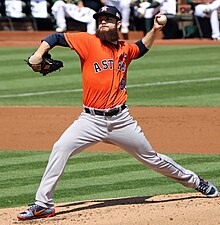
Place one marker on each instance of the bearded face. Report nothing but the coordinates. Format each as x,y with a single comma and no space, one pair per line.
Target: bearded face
107,29
110,35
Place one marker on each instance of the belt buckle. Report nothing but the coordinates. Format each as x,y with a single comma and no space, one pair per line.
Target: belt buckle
91,111
106,111
115,110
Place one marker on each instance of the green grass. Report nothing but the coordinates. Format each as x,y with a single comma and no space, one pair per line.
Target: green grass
166,76
162,64
94,176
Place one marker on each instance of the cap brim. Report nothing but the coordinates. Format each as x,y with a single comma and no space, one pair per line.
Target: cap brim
96,15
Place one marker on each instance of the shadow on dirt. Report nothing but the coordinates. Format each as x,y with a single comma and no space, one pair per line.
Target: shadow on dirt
94,204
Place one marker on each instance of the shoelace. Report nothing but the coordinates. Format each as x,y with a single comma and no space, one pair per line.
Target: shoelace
203,186
32,206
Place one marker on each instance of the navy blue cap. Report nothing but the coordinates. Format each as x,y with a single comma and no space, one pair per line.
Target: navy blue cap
109,10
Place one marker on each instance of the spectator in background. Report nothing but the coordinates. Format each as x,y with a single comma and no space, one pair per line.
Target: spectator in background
168,7
75,10
209,10
14,8
93,4
148,9
171,30
124,7
39,8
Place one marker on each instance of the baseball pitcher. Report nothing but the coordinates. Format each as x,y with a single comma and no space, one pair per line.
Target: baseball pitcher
105,117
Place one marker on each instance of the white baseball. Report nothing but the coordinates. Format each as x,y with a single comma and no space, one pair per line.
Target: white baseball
162,19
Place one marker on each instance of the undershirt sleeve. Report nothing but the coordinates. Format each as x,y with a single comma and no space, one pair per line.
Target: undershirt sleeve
56,39
142,48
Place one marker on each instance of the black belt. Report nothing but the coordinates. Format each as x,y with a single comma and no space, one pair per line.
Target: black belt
109,112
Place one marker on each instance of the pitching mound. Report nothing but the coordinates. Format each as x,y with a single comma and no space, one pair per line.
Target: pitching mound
178,209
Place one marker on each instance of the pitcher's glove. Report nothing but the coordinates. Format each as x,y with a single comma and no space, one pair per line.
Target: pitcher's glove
46,66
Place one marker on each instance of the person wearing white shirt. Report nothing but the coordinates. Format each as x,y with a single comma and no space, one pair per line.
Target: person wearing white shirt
13,8
171,30
39,8
148,9
209,10
75,10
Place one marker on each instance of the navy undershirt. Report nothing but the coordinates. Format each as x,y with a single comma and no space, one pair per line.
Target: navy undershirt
142,48
56,39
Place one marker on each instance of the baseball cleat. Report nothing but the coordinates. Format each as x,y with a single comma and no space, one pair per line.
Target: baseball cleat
36,212
207,188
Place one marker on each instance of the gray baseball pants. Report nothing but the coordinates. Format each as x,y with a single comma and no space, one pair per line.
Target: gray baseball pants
120,130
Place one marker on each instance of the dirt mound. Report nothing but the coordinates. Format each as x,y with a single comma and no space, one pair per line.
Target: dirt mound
178,209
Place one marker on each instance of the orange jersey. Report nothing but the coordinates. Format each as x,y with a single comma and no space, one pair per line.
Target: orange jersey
104,69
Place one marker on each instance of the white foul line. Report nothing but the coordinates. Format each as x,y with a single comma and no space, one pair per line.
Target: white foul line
128,86
40,93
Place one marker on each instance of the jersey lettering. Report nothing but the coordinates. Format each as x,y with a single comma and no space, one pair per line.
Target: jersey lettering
121,66
97,67
111,61
108,65
104,64
123,84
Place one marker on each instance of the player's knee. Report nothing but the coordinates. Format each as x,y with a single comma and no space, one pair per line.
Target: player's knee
60,147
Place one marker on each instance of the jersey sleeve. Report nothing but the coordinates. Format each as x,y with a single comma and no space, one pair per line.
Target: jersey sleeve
134,51
79,42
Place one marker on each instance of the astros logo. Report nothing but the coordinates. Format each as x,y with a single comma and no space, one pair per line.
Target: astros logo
104,8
